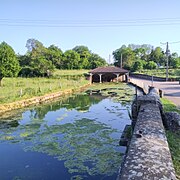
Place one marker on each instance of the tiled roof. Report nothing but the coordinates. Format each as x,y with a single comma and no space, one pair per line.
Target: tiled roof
108,69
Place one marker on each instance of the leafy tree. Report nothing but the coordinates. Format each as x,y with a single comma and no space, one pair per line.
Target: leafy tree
151,65
54,54
38,59
71,60
174,60
96,61
33,44
82,50
24,60
157,55
141,51
41,66
84,53
9,65
138,65
128,57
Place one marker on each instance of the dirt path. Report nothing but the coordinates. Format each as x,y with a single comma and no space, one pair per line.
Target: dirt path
171,90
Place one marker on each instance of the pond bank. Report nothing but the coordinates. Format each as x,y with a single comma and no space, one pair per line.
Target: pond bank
38,100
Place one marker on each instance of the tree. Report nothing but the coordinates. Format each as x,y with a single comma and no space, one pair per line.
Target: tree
55,55
138,65
9,65
71,60
33,44
174,61
96,61
24,60
39,60
84,53
157,55
128,57
151,65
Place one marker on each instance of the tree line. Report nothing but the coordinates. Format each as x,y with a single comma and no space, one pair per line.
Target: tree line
138,57
41,61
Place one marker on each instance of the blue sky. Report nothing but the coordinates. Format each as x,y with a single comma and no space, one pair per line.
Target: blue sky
134,21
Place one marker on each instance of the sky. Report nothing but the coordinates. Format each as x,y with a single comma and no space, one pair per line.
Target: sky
101,25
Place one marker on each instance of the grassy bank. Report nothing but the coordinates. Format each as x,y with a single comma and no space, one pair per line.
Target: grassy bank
173,137
61,73
15,89
173,73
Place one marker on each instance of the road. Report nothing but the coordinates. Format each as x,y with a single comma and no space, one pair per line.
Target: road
171,90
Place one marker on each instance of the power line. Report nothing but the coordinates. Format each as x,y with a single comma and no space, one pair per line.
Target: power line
89,23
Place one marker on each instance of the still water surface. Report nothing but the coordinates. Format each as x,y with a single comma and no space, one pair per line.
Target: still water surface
73,138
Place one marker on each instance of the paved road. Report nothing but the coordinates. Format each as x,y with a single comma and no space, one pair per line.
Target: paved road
171,90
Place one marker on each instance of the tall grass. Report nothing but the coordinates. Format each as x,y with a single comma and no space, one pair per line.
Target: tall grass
14,89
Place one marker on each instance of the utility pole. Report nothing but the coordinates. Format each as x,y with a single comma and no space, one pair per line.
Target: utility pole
121,61
167,59
109,59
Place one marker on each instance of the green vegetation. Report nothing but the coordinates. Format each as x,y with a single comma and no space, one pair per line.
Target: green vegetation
174,144
173,73
74,72
120,92
42,61
9,65
14,89
173,137
168,106
139,57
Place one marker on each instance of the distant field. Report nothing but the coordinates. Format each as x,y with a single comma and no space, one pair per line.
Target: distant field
173,73
69,72
14,89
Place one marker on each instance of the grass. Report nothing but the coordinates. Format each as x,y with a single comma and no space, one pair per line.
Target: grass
14,89
168,106
63,73
173,73
173,137
174,145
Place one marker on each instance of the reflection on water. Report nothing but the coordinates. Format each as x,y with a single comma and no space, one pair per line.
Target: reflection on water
76,138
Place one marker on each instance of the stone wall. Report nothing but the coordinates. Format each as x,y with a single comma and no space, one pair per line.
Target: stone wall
148,155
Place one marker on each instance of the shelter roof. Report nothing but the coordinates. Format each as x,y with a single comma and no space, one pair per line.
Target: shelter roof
108,69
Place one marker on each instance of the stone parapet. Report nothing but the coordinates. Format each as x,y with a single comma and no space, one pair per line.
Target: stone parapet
148,155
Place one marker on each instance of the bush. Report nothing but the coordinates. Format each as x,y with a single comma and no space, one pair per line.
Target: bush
151,65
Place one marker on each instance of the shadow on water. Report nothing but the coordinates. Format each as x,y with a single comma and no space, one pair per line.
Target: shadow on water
73,138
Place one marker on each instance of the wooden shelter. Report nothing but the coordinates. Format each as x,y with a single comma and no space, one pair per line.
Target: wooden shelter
108,74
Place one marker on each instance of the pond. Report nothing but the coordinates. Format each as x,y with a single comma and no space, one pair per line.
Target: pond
72,138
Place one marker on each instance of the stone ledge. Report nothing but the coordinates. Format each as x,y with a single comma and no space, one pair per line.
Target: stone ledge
148,155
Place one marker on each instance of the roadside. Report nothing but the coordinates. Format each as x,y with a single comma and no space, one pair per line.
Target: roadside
171,90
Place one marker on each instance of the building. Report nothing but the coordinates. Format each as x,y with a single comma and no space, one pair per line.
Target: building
108,74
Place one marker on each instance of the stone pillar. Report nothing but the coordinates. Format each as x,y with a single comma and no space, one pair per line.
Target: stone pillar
127,77
90,78
117,75
100,78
